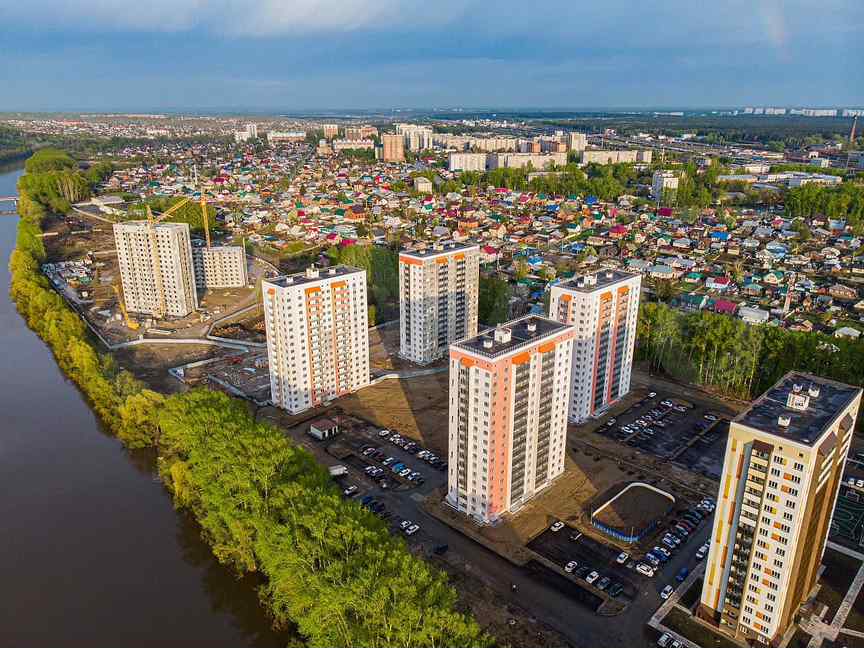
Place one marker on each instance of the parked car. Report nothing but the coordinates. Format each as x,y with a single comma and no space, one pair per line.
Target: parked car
653,560
440,550
652,394
570,566
664,641
404,472
667,592
592,577
645,569
702,551
404,524
622,558
556,526
663,553
681,575
615,589
411,530
710,417
348,492
383,433
603,583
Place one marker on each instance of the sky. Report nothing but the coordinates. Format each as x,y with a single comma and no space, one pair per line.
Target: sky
288,55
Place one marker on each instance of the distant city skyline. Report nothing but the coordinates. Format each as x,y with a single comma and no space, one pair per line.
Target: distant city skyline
116,55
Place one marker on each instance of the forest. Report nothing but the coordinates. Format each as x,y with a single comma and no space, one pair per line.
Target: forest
736,359
332,570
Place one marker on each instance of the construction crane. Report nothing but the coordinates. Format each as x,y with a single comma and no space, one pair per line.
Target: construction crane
130,323
154,247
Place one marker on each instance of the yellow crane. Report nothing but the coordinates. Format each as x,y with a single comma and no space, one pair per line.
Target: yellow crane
130,323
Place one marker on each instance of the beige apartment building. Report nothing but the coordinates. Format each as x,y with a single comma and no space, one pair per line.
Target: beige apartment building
781,475
438,292
507,415
393,147
157,273
219,267
317,336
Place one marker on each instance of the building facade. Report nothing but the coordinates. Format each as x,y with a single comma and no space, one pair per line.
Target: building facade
157,273
781,475
507,415
466,162
663,181
603,307
393,148
577,141
317,336
438,292
219,267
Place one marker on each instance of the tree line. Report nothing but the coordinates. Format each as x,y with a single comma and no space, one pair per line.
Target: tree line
736,359
845,201
333,571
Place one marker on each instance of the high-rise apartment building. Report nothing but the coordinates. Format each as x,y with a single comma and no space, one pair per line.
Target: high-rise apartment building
577,141
317,336
438,292
603,307
393,147
222,266
330,130
508,415
156,268
781,475
663,181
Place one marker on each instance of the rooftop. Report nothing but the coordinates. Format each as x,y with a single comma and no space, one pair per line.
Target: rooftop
312,275
510,336
800,407
446,248
597,280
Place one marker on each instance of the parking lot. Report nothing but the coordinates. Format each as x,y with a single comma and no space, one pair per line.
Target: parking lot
672,429
606,571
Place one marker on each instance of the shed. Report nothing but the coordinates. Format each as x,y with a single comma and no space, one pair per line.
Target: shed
323,428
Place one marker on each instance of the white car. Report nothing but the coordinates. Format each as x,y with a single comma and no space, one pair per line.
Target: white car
645,570
570,566
622,558
710,417
667,592
702,551
592,577
404,524
557,526
384,433
652,394
664,641
411,530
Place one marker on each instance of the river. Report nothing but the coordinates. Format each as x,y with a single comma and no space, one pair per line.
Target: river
92,552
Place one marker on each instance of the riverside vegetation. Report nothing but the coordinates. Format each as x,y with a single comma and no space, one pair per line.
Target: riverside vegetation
332,570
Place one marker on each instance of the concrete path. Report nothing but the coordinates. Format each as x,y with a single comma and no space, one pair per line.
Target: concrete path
821,630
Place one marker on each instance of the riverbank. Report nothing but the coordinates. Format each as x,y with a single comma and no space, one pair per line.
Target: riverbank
265,506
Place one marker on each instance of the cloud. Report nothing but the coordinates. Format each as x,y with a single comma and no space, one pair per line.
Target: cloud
232,17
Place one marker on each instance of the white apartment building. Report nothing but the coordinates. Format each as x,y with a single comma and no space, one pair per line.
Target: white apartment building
507,415
317,336
781,476
603,308
249,132
662,181
466,162
539,161
438,292
219,267
156,281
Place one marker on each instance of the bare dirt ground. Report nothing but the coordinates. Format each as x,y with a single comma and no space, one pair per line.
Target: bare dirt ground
150,363
635,509
416,408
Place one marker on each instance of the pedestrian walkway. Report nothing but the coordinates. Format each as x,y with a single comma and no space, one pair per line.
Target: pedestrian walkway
821,630
656,619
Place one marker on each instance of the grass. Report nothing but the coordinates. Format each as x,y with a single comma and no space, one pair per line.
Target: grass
839,573
855,620
687,627
692,595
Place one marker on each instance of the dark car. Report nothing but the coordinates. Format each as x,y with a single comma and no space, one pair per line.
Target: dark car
440,550
681,575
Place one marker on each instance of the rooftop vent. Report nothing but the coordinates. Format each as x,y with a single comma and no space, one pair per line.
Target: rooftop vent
783,421
487,343
289,280
502,335
531,326
796,388
609,275
798,401
331,271
813,391
312,272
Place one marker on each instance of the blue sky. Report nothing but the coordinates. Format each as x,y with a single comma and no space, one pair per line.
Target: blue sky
307,54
